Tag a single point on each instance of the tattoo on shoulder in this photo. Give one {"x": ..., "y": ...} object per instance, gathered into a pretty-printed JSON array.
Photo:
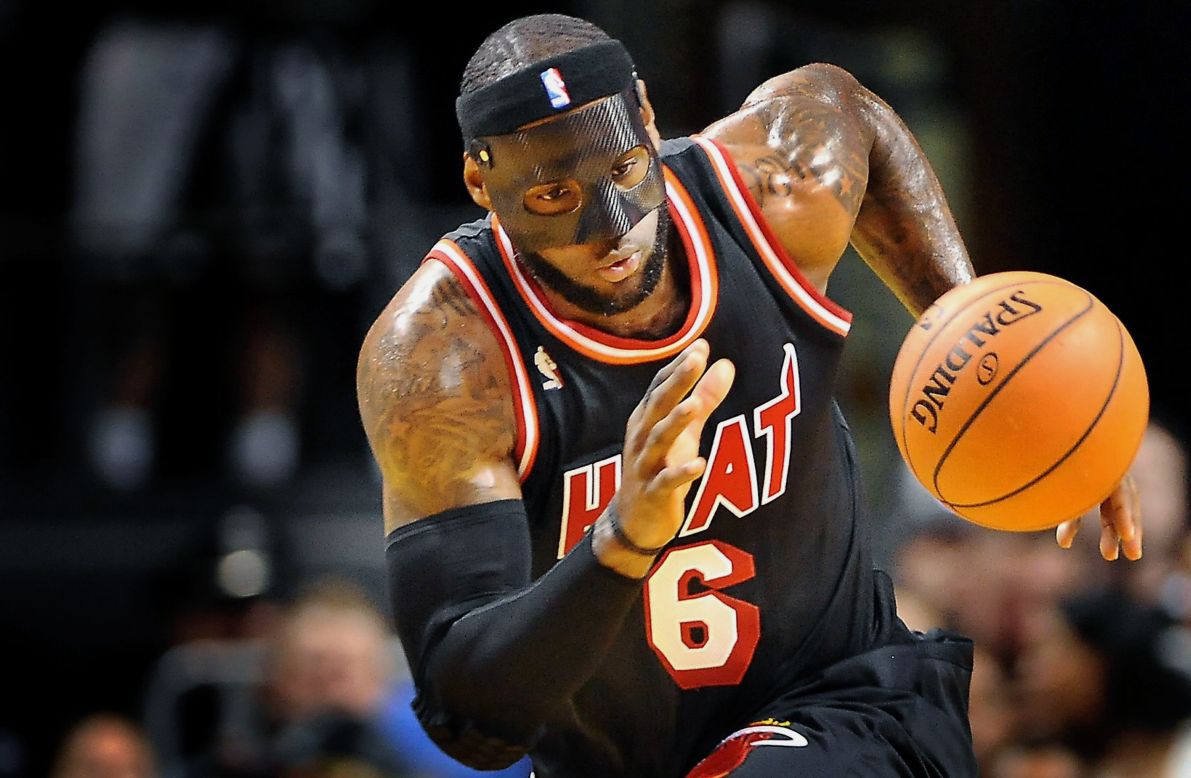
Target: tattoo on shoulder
[
  {"x": 450, "y": 295},
  {"x": 809, "y": 142},
  {"x": 434, "y": 393}
]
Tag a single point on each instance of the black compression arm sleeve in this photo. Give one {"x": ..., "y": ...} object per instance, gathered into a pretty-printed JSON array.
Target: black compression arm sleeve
[{"x": 492, "y": 652}]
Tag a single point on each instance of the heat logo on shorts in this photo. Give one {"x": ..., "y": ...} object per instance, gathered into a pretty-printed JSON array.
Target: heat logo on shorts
[
  {"x": 734, "y": 749},
  {"x": 556, "y": 88},
  {"x": 771, "y": 735}
]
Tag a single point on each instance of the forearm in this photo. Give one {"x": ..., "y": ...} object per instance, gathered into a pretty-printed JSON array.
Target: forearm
[
  {"x": 490, "y": 651},
  {"x": 905, "y": 229},
  {"x": 533, "y": 649}
]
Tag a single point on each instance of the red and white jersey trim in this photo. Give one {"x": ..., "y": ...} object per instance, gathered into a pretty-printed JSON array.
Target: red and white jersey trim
[
  {"x": 612, "y": 349},
  {"x": 524, "y": 405},
  {"x": 825, "y": 311}
]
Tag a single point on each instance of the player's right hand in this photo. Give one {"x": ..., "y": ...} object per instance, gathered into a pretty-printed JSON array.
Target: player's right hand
[{"x": 661, "y": 444}]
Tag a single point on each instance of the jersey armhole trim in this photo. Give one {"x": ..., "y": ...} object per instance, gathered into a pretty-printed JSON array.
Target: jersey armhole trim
[
  {"x": 525, "y": 408},
  {"x": 781, "y": 265}
]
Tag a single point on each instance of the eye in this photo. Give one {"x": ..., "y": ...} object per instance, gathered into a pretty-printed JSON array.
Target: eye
[
  {"x": 630, "y": 169},
  {"x": 553, "y": 193},
  {"x": 552, "y": 198}
]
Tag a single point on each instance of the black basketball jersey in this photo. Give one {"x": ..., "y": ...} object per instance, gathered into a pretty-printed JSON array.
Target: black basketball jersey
[{"x": 769, "y": 577}]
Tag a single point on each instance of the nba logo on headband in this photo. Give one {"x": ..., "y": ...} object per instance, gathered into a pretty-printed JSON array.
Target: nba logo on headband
[{"x": 556, "y": 88}]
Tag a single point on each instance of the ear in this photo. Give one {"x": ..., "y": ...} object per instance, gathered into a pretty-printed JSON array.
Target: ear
[
  {"x": 473, "y": 179},
  {"x": 647, "y": 115}
]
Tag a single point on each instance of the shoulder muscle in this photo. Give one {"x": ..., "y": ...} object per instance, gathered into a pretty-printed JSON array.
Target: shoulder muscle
[
  {"x": 802, "y": 142},
  {"x": 435, "y": 401}
]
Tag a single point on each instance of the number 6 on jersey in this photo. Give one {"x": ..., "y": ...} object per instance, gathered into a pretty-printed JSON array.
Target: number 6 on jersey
[{"x": 703, "y": 638}]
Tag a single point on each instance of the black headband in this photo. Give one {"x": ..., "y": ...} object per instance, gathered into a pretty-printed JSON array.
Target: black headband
[{"x": 534, "y": 93}]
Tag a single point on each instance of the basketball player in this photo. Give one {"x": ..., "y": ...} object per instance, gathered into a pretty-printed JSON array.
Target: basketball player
[{"x": 624, "y": 525}]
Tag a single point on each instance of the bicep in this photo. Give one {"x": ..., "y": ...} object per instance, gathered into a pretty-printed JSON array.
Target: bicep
[
  {"x": 436, "y": 403},
  {"x": 865, "y": 181},
  {"x": 410, "y": 495}
]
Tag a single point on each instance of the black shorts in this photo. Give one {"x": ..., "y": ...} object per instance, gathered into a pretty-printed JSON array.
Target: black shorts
[{"x": 901, "y": 710}]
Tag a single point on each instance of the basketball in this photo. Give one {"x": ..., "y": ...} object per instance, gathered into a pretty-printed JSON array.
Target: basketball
[{"x": 1018, "y": 400}]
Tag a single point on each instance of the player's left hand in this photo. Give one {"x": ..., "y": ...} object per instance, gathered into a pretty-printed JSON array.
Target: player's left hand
[{"x": 1120, "y": 523}]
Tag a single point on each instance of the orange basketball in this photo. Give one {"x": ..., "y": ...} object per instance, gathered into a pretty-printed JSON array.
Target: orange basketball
[{"x": 1018, "y": 400}]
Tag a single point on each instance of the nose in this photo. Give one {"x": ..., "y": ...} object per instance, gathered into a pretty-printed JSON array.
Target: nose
[{"x": 607, "y": 213}]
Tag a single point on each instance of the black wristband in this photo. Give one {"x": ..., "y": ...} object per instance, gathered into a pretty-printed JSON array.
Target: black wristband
[{"x": 624, "y": 540}]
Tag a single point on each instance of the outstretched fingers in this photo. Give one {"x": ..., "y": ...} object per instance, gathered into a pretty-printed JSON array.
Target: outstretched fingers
[
  {"x": 1120, "y": 522},
  {"x": 665, "y": 392},
  {"x": 710, "y": 392},
  {"x": 1065, "y": 533},
  {"x": 672, "y": 478},
  {"x": 684, "y": 423},
  {"x": 1133, "y": 545},
  {"x": 665, "y": 433}
]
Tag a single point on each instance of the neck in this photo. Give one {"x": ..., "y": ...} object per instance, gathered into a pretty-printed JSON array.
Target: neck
[{"x": 657, "y": 316}]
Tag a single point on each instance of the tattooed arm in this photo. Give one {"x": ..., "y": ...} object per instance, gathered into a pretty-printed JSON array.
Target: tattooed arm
[
  {"x": 829, "y": 163},
  {"x": 436, "y": 402},
  {"x": 492, "y": 652}
]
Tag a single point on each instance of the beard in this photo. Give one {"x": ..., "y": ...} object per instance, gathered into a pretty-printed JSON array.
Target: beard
[{"x": 594, "y": 301}]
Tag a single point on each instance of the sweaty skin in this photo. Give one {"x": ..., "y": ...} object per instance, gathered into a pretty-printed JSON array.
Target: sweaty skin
[
  {"x": 436, "y": 401},
  {"x": 828, "y": 162}
]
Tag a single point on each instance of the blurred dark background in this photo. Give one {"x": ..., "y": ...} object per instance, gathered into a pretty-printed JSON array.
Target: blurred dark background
[{"x": 204, "y": 205}]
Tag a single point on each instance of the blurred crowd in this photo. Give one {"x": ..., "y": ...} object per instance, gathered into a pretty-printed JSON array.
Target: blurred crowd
[
  {"x": 221, "y": 203},
  {"x": 1083, "y": 667},
  {"x": 311, "y": 688}
]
